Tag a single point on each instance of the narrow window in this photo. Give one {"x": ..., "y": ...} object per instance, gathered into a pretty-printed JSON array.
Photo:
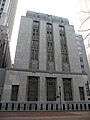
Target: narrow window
[
  {"x": 67, "y": 89},
  {"x": 82, "y": 66},
  {"x": 34, "y": 60},
  {"x": 14, "y": 93},
  {"x": 51, "y": 89},
  {"x": 50, "y": 48},
  {"x": 32, "y": 89},
  {"x": 64, "y": 51},
  {"x": 81, "y": 92}
]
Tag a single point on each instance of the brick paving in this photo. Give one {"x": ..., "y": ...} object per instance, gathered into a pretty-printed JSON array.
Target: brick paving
[{"x": 45, "y": 115}]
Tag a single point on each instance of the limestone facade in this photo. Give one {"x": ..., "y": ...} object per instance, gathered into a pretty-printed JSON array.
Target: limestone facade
[{"x": 64, "y": 67}]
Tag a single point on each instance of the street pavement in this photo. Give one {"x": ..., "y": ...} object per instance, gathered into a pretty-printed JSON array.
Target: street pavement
[{"x": 77, "y": 115}]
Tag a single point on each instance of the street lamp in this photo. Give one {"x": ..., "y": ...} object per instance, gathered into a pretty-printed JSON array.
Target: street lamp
[{"x": 60, "y": 97}]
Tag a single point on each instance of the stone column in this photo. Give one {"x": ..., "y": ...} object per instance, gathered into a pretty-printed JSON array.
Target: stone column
[
  {"x": 57, "y": 47},
  {"x": 42, "y": 46},
  {"x": 42, "y": 94}
]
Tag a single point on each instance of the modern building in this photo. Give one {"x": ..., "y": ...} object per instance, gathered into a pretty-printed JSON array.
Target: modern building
[
  {"x": 7, "y": 14},
  {"x": 50, "y": 70},
  {"x": 5, "y": 59}
]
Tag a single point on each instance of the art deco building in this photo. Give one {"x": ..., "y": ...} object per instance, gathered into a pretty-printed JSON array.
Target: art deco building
[{"x": 50, "y": 69}]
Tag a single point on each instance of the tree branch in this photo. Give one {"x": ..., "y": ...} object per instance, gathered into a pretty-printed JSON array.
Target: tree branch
[
  {"x": 86, "y": 36},
  {"x": 83, "y": 30},
  {"x": 85, "y": 11},
  {"x": 84, "y": 21}
]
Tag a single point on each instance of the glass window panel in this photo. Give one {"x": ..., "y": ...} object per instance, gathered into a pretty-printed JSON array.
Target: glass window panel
[
  {"x": 51, "y": 89},
  {"x": 14, "y": 93},
  {"x": 81, "y": 92},
  {"x": 32, "y": 89},
  {"x": 67, "y": 89}
]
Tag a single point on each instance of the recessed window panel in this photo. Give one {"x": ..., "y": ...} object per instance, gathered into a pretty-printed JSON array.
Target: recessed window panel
[
  {"x": 14, "y": 92},
  {"x": 67, "y": 86},
  {"x": 81, "y": 92},
  {"x": 32, "y": 93},
  {"x": 51, "y": 89}
]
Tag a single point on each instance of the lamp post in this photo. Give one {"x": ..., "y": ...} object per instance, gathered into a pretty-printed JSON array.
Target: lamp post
[{"x": 60, "y": 97}]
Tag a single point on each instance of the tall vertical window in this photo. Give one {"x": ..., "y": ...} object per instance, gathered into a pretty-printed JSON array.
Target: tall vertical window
[
  {"x": 0, "y": 97},
  {"x": 32, "y": 94},
  {"x": 79, "y": 46},
  {"x": 50, "y": 48},
  {"x": 14, "y": 93},
  {"x": 81, "y": 92},
  {"x": 51, "y": 89},
  {"x": 67, "y": 89},
  {"x": 64, "y": 52},
  {"x": 2, "y": 47},
  {"x": 35, "y": 46}
]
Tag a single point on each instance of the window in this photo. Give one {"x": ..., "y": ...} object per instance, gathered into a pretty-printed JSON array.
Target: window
[
  {"x": 50, "y": 32},
  {"x": 49, "y": 26},
  {"x": 47, "y": 32},
  {"x": 78, "y": 42},
  {"x": 1, "y": 9},
  {"x": 34, "y": 55},
  {"x": 77, "y": 37},
  {"x": 50, "y": 47},
  {"x": 36, "y": 24},
  {"x": 0, "y": 45},
  {"x": 61, "y": 28},
  {"x": 50, "y": 56},
  {"x": 35, "y": 46},
  {"x": 81, "y": 92},
  {"x": 3, "y": 4},
  {"x": 51, "y": 89},
  {"x": 82, "y": 66},
  {"x": 32, "y": 94},
  {"x": 79, "y": 48},
  {"x": 80, "y": 53},
  {"x": 14, "y": 93},
  {"x": 4, "y": 0},
  {"x": 64, "y": 51},
  {"x": 81, "y": 59},
  {"x": 67, "y": 89},
  {"x": 64, "y": 58}
]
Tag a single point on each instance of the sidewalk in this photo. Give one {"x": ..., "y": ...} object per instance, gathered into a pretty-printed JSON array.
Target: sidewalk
[{"x": 45, "y": 115}]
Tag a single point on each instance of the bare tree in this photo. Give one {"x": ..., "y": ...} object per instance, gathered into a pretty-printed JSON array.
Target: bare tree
[{"x": 85, "y": 30}]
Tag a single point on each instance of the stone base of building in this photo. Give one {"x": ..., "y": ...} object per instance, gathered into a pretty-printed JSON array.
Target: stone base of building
[{"x": 35, "y": 106}]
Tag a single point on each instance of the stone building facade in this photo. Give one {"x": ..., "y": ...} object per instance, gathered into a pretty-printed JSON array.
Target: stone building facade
[
  {"x": 49, "y": 72},
  {"x": 5, "y": 58},
  {"x": 7, "y": 14}
]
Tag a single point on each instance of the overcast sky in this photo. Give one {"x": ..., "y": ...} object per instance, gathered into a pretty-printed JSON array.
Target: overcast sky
[{"x": 63, "y": 8}]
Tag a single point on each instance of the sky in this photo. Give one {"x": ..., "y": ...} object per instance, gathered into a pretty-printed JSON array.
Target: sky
[{"x": 63, "y": 8}]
